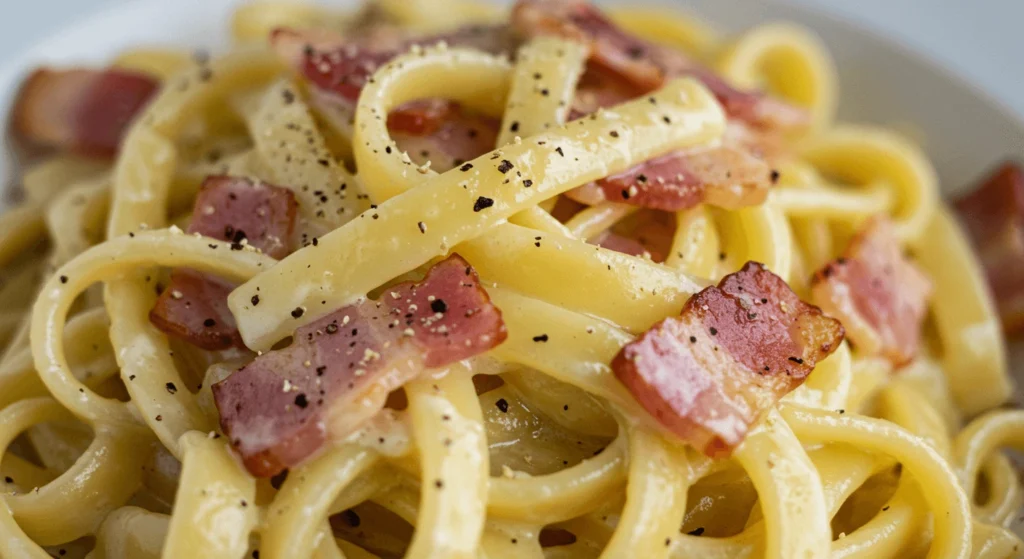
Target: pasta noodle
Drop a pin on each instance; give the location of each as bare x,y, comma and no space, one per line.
115,441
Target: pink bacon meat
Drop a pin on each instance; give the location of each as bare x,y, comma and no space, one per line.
993,216
86,111
879,296
734,351
194,306
281,408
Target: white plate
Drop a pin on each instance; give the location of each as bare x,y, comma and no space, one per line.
963,130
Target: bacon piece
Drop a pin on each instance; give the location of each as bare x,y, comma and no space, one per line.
281,408
736,349
644,64
446,140
731,175
236,209
993,216
879,296
194,306
647,233
724,176
86,111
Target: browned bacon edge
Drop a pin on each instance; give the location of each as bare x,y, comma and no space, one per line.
282,407
734,351
993,216
880,297
194,307
81,110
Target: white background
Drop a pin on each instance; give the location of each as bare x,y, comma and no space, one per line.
981,40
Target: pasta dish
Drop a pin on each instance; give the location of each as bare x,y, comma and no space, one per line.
439,279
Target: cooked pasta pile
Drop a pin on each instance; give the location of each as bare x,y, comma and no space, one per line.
570,401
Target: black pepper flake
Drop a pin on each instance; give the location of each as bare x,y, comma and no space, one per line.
502,405
466,167
159,418
171,388
301,401
209,323
713,330
422,226
697,532
278,480
315,241
289,96
255,300
625,194
693,339
438,305
559,151
721,256
298,312
505,166
439,484
63,279
350,517
131,377
387,150
541,338
885,508
527,183
797,360
613,134
482,203
8,479
514,127
775,176
332,328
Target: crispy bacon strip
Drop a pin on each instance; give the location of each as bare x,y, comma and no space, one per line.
644,64
86,111
735,350
993,216
282,407
879,296
194,306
